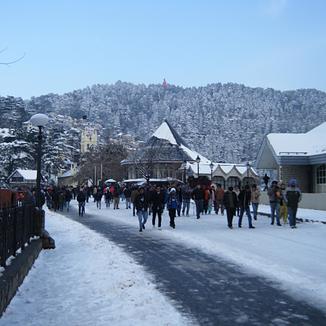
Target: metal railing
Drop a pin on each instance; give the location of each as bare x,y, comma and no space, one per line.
292,153
17,226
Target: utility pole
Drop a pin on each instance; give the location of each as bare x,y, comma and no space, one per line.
101,172
95,181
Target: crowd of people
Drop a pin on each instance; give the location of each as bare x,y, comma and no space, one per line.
152,200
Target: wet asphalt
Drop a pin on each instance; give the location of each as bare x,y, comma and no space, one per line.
207,289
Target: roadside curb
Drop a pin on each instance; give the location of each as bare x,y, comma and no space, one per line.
308,220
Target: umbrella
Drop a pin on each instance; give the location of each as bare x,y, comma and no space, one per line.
109,181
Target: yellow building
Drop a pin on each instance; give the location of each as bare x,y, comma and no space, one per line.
88,139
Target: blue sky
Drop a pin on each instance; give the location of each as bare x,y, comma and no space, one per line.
73,44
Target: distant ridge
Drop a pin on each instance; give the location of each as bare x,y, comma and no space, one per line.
224,122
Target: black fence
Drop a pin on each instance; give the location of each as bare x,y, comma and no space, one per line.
17,226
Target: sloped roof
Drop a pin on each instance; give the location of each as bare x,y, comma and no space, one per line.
165,145
158,150
27,174
310,143
226,168
167,132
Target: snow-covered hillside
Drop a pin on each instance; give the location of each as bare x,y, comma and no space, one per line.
224,122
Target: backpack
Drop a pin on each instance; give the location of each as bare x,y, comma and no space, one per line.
173,202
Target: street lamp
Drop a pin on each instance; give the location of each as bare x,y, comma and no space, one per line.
197,161
39,120
211,167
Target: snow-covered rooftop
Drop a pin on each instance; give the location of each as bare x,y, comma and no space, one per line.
27,174
226,168
165,131
310,143
194,154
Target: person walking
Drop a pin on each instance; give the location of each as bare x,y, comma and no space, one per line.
157,206
107,197
134,194
207,197
98,198
283,206
88,193
127,193
244,203
237,192
198,197
255,198
68,197
81,198
266,180
274,195
230,203
186,196
141,203
55,198
116,197
61,199
172,205
211,199
74,192
293,197
219,195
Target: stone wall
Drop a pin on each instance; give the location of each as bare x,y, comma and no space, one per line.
302,173
309,200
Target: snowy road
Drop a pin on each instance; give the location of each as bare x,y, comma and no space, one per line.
213,290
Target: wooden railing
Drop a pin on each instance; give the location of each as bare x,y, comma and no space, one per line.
18,225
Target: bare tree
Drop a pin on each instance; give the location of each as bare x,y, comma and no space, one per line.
105,158
145,158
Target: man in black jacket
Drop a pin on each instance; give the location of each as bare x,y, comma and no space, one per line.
157,200
81,198
141,203
127,193
230,203
186,196
293,197
198,197
244,204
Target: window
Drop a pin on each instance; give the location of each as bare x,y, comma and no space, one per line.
219,180
17,179
321,174
248,181
232,182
